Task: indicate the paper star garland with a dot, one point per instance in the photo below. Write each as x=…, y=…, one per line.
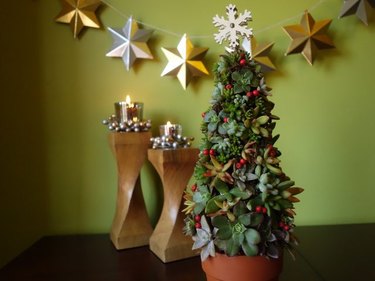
x=358, y=7
x=185, y=61
x=79, y=13
x=308, y=37
x=259, y=53
x=130, y=43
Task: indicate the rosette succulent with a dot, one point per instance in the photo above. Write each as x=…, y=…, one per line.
x=242, y=203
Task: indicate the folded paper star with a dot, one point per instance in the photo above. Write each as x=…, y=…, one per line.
x=259, y=53
x=79, y=13
x=130, y=43
x=185, y=61
x=308, y=37
x=358, y=7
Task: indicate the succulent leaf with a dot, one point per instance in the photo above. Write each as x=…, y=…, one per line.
x=220, y=221
x=245, y=219
x=239, y=193
x=224, y=232
x=250, y=249
x=212, y=206
x=221, y=186
x=252, y=236
x=285, y=184
x=255, y=219
x=233, y=247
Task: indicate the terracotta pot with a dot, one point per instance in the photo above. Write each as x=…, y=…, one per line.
x=242, y=268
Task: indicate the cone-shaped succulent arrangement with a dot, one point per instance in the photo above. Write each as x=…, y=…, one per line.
x=241, y=203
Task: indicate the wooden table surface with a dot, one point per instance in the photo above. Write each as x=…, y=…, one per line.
x=326, y=253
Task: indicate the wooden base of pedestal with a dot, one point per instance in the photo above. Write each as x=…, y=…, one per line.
x=175, y=167
x=131, y=226
x=172, y=246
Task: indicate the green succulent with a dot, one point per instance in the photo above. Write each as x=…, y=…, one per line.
x=220, y=144
x=257, y=128
x=244, y=177
x=212, y=120
x=200, y=198
x=242, y=80
x=234, y=128
x=236, y=236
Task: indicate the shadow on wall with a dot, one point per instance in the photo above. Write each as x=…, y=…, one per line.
x=23, y=190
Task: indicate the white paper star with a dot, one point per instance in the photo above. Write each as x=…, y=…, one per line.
x=234, y=27
x=130, y=43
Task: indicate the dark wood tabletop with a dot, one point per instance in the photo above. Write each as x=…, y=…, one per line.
x=326, y=253
x=340, y=252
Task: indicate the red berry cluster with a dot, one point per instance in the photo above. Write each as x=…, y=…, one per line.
x=284, y=226
x=240, y=163
x=261, y=209
x=197, y=220
x=228, y=86
x=225, y=119
x=194, y=187
x=253, y=93
x=209, y=152
x=242, y=62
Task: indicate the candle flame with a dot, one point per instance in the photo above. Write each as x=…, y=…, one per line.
x=127, y=100
x=169, y=124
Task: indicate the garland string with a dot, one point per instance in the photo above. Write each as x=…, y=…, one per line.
x=277, y=24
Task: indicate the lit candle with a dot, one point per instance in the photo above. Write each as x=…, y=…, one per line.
x=170, y=129
x=126, y=111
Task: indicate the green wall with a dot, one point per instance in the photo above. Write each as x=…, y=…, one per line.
x=24, y=194
x=58, y=174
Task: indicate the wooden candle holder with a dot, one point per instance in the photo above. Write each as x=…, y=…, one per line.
x=131, y=226
x=175, y=167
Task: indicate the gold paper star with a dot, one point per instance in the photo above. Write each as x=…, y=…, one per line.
x=185, y=61
x=79, y=13
x=130, y=43
x=259, y=53
x=308, y=37
x=358, y=7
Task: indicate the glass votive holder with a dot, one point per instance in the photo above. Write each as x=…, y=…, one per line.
x=126, y=112
x=170, y=129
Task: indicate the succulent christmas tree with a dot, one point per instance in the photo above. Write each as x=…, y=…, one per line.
x=241, y=203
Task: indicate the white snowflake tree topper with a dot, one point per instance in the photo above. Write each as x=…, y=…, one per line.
x=233, y=28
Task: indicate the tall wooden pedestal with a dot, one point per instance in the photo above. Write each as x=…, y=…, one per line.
x=131, y=225
x=175, y=167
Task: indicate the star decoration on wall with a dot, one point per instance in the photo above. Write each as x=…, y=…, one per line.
x=185, y=61
x=260, y=53
x=79, y=13
x=358, y=7
x=130, y=43
x=232, y=28
x=308, y=37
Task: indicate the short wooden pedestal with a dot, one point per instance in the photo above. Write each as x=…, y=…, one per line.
x=175, y=167
x=131, y=225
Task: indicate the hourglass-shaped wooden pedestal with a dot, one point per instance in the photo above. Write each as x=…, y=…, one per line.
x=131, y=226
x=175, y=167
